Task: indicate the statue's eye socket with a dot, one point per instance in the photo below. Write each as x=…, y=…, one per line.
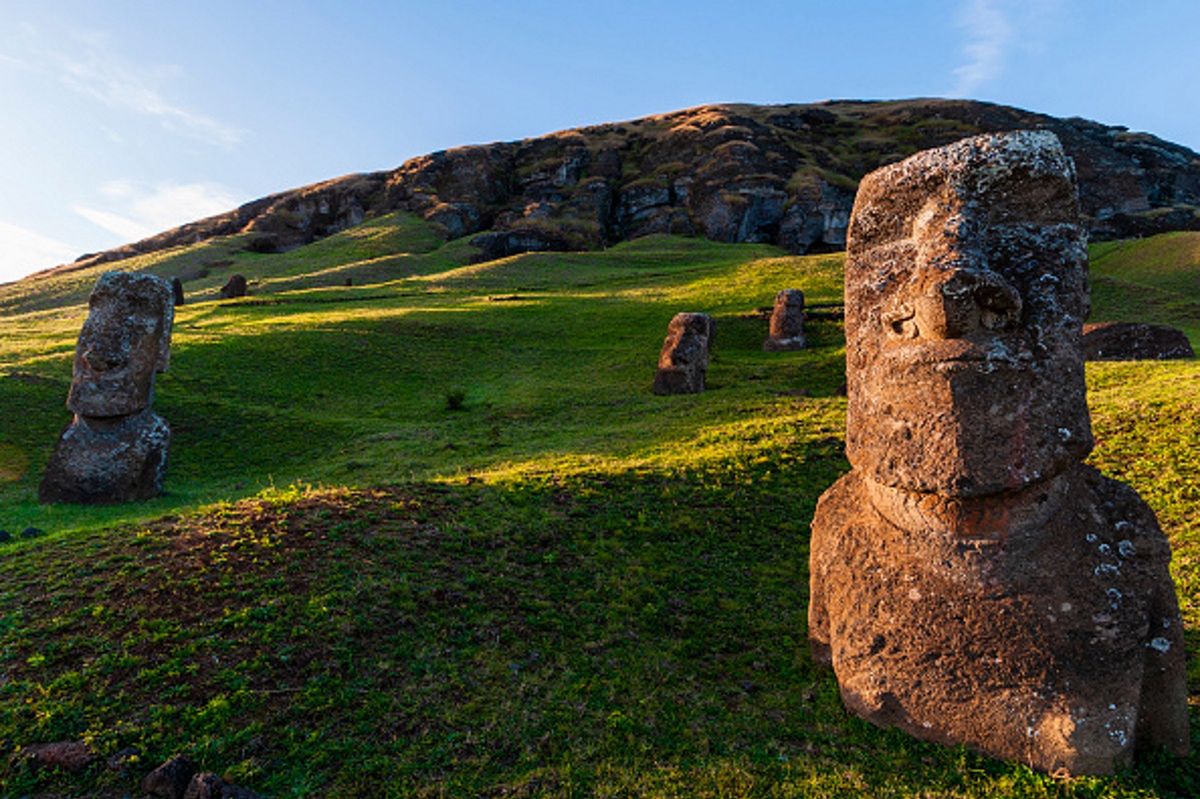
x=900, y=322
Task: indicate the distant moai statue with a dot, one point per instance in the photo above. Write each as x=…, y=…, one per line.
x=177, y=291
x=234, y=287
x=787, y=322
x=972, y=582
x=683, y=362
x=115, y=449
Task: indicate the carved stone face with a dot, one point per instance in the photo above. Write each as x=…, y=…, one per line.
x=966, y=288
x=125, y=340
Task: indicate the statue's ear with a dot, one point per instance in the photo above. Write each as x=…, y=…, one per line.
x=164, y=338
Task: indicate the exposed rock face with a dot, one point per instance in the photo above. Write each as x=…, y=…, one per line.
x=234, y=287
x=781, y=174
x=972, y=582
x=1134, y=341
x=683, y=362
x=115, y=449
x=787, y=322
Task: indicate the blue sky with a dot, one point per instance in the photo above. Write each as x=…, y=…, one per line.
x=121, y=119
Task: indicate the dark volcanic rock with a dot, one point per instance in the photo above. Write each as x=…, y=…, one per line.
x=1134, y=341
x=511, y=242
x=683, y=362
x=177, y=291
x=971, y=581
x=171, y=779
x=115, y=449
x=780, y=174
x=207, y=785
x=72, y=756
x=234, y=287
x=787, y=322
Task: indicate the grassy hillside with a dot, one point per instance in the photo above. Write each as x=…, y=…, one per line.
x=1153, y=279
x=569, y=586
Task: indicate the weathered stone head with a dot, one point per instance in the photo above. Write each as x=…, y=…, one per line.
x=125, y=340
x=787, y=322
x=683, y=360
x=966, y=289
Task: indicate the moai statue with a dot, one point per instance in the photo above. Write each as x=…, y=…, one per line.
x=115, y=449
x=787, y=322
x=683, y=362
x=177, y=291
x=234, y=287
x=972, y=582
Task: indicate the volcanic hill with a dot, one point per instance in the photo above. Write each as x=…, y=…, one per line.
x=778, y=174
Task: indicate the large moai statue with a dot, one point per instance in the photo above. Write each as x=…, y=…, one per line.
x=683, y=361
x=972, y=582
x=115, y=449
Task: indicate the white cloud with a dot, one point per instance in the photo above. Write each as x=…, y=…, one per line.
x=23, y=251
x=133, y=212
x=989, y=35
x=94, y=69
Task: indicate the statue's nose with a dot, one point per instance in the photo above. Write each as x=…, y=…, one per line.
x=105, y=353
x=963, y=302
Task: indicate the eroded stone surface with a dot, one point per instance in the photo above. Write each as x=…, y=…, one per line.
x=115, y=449
x=971, y=581
x=787, y=322
x=1134, y=341
x=683, y=362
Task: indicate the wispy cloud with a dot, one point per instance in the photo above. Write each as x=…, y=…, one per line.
x=94, y=69
x=26, y=251
x=133, y=212
x=989, y=32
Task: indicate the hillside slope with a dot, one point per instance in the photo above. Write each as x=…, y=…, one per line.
x=782, y=174
x=568, y=587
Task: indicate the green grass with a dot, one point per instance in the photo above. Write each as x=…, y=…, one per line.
x=567, y=587
x=1149, y=280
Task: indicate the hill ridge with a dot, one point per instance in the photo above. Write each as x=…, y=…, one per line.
x=733, y=172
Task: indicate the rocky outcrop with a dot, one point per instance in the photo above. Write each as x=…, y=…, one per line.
x=971, y=581
x=1134, y=341
x=781, y=174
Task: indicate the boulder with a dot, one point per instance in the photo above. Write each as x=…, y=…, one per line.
x=171, y=779
x=971, y=581
x=1134, y=341
x=234, y=287
x=787, y=322
x=683, y=362
x=72, y=756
